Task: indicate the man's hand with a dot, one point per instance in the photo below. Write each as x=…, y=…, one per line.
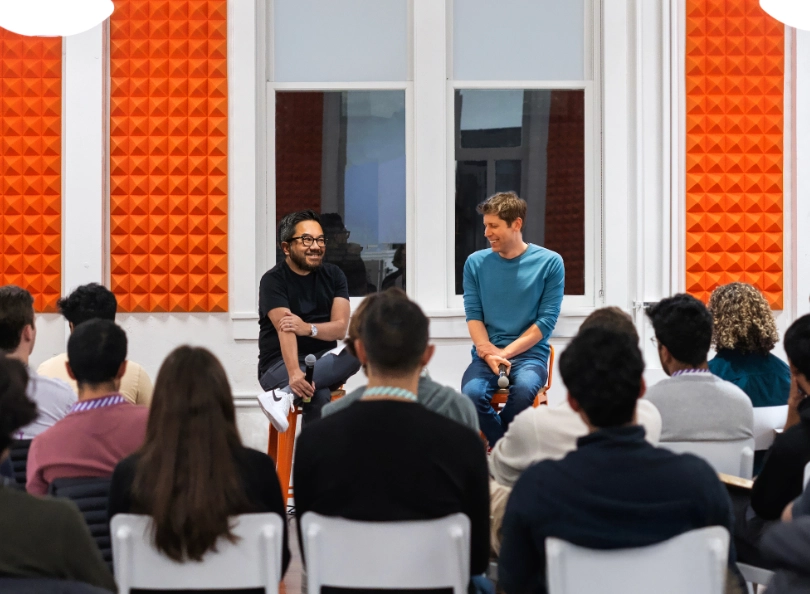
x=292, y=323
x=487, y=348
x=300, y=386
x=795, y=398
x=495, y=361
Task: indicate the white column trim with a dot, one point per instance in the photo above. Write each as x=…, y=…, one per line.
x=801, y=220
x=84, y=157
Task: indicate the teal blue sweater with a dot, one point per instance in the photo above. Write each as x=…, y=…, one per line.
x=508, y=296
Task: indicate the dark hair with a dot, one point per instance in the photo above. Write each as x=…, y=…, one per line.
x=394, y=332
x=186, y=476
x=602, y=370
x=611, y=318
x=797, y=344
x=16, y=312
x=87, y=302
x=356, y=322
x=683, y=325
x=286, y=228
x=16, y=409
x=96, y=350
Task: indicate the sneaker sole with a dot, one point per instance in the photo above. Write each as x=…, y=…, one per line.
x=280, y=423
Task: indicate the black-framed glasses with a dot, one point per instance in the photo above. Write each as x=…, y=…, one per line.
x=308, y=240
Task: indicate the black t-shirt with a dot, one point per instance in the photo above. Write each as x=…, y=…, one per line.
x=309, y=297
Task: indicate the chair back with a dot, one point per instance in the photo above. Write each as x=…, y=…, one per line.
x=693, y=562
x=253, y=561
x=806, y=474
x=767, y=419
x=414, y=555
x=90, y=494
x=729, y=457
x=19, y=585
x=18, y=454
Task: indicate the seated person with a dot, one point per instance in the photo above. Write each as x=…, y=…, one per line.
x=787, y=549
x=695, y=404
x=433, y=396
x=303, y=310
x=782, y=477
x=615, y=490
x=102, y=427
x=86, y=303
x=385, y=458
x=43, y=538
x=192, y=472
x=744, y=336
x=345, y=255
x=18, y=334
x=550, y=432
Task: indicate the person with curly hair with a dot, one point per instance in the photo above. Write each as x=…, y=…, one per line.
x=744, y=335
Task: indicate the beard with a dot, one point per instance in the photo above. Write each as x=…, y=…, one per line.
x=300, y=260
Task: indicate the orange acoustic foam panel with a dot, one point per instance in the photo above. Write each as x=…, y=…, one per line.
x=735, y=62
x=169, y=155
x=31, y=165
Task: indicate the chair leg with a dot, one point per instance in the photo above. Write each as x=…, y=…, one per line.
x=284, y=460
x=272, y=443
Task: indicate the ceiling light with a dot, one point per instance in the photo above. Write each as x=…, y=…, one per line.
x=53, y=18
x=794, y=13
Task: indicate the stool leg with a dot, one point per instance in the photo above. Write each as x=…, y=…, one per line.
x=286, y=445
x=272, y=443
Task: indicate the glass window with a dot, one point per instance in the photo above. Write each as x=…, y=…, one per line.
x=340, y=41
x=519, y=39
x=342, y=154
x=531, y=142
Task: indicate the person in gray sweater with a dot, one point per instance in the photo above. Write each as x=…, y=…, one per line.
x=432, y=395
x=695, y=405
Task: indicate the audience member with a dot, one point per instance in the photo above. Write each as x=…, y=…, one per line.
x=86, y=303
x=345, y=255
x=433, y=396
x=17, y=337
x=45, y=538
x=744, y=334
x=549, y=433
x=695, y=405
x=102, y=428
x=782, y=477
x=192, y=473
x=615, y=490
x=787, y=549
x=386, y=459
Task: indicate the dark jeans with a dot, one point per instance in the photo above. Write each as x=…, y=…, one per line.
x=748, y=529
x=330, y=372
x=528, y=375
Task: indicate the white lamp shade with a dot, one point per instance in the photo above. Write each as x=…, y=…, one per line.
x=794, y=13
x=53, y=18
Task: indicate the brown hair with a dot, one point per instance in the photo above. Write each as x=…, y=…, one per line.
x=507, y=205
x=186, y=476
x=16, y=312
x=611, y=318
x=356, y=321
x=743, y=320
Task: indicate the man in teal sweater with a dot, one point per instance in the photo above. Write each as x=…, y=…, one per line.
x=512, y=297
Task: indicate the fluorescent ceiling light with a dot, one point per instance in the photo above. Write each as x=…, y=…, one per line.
x=794, y=13
x=53, y=18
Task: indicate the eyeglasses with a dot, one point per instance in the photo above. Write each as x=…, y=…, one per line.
x=308, y=240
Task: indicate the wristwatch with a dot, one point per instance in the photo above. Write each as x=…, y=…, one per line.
x=313, y=331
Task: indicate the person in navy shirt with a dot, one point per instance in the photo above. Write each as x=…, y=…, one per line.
x=512, y=297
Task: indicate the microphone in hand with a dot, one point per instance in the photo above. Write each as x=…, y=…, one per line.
x=503, y=381
x=309, y=361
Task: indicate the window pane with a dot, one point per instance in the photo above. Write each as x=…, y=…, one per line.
x=546, y=168
x=342, y=154
x=519, y=39
x=349, y=40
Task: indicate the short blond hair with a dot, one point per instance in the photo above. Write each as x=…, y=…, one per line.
x=743, y=320
x=507, y=205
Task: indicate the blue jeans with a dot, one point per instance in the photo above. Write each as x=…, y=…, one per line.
x=527, y=376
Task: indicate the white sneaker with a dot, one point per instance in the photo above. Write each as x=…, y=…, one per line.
x=276, y=405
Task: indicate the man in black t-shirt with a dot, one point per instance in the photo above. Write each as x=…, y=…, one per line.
x=303, y=310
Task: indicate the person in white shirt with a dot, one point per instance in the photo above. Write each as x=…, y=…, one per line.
x=695, y=405
x=549, y=433
x=89, y=302
x=17, y=337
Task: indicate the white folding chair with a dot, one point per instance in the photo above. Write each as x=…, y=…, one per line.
x=729, y=457
x=693, y=562
x=426, y=554
x=806, y=474
x=754, y=576
x=253, y=561
x=767, y=419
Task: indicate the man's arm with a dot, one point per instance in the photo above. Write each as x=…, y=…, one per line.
x=289, y=353
x=334, y=329
x=35, y=483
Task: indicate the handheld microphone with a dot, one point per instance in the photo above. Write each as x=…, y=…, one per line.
x=503, y=381
x=309, y=361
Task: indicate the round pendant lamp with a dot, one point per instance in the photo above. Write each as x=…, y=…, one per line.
x=794, y=13
x=53, y=18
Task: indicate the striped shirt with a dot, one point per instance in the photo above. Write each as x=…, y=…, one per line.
x=692, y=370
x=109, y=400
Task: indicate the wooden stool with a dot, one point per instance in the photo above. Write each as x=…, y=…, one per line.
x=280, y=447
